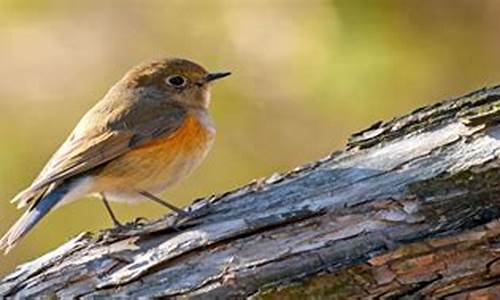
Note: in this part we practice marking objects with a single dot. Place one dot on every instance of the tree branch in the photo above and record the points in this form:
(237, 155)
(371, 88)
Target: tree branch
(424, 178)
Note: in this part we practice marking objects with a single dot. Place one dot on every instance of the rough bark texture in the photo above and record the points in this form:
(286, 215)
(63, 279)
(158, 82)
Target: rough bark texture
(407, 209)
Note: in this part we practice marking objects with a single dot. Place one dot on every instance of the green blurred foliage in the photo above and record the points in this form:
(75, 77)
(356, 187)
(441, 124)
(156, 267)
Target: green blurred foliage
(307, 73)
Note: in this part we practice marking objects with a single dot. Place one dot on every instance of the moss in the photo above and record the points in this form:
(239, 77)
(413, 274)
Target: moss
(323, 286)
(443, 200)
(468, 179)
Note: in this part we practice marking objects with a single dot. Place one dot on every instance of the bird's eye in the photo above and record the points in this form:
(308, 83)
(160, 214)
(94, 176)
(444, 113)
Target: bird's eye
(176, 81)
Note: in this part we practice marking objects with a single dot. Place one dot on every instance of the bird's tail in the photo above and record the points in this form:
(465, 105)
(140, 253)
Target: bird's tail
(33, 215)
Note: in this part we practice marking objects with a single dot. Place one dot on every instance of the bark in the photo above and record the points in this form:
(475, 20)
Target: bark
(408, 208)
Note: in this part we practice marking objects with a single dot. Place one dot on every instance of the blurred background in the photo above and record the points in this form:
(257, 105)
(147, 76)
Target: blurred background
(306, 74)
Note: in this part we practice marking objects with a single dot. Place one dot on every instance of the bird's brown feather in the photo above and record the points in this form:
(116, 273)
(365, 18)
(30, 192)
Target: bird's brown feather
(94, 143)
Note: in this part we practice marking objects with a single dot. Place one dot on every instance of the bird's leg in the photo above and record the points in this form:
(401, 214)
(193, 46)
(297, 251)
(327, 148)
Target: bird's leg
(111, 214)
(180, 212)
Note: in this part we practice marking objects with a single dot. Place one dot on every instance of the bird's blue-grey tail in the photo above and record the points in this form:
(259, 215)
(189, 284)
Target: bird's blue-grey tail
(33, 215)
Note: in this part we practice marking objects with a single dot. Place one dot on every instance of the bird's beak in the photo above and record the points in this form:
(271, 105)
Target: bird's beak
(216, 75)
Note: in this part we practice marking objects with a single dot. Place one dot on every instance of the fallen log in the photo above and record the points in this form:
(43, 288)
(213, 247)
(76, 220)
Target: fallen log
(407, 208)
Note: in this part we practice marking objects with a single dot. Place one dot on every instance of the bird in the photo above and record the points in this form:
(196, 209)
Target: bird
(149, 131)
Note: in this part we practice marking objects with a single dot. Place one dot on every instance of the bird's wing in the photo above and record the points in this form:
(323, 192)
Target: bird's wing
(96, 145)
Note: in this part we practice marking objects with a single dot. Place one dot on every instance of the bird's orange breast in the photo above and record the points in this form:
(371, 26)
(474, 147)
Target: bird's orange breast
(160, 163)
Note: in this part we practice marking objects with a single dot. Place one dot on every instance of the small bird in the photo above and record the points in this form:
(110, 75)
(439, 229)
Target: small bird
(149, 131)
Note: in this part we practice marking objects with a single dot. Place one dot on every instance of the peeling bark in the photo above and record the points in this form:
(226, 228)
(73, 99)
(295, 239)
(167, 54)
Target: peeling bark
(406, 209)
(462, 266)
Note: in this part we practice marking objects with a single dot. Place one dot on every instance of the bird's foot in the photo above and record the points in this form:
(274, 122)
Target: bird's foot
(119, 227)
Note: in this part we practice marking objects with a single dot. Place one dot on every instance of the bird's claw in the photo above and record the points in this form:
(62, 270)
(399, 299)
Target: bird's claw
(140, 221)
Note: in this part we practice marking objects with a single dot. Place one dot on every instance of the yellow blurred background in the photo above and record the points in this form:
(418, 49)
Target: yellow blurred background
(306, 74)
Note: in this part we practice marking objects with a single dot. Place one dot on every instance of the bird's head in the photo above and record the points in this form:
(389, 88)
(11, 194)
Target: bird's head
(174, 79)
